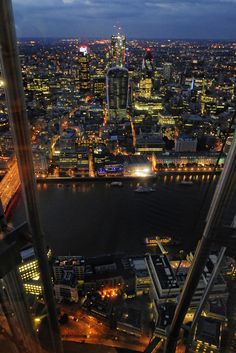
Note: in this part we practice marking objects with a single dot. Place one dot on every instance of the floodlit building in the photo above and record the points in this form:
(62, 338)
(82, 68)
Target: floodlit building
(137, 166)
(150, 105)
(149, 143)
(184, 159)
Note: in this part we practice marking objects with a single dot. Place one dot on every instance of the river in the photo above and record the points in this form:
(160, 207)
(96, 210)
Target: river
(92, 218)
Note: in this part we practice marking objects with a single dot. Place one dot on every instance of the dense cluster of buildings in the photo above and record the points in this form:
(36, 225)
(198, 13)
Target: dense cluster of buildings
(91, 104)
(127, 108)
(97, 282)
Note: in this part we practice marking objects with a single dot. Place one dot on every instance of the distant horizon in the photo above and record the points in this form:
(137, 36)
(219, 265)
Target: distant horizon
(129, 38)
(152, 19)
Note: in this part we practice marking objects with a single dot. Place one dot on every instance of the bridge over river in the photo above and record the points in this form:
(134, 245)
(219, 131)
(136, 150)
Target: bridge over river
(9, 185)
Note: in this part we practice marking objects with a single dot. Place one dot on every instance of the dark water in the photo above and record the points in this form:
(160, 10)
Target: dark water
(90, 218)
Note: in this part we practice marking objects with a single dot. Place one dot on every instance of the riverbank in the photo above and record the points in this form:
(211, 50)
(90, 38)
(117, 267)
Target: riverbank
(53, 179)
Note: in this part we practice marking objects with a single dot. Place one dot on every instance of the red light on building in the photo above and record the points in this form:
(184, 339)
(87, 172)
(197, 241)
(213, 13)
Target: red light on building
(83, 49)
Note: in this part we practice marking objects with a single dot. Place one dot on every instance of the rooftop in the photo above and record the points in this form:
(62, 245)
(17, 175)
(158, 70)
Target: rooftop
(164, 272)
(208, 331)
(69, 261)
(166, 313)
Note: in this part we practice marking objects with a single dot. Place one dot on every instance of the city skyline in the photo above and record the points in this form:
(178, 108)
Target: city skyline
(117, 179)
(185, 19)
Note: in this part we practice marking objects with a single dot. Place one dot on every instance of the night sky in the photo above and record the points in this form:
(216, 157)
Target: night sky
(192, 19)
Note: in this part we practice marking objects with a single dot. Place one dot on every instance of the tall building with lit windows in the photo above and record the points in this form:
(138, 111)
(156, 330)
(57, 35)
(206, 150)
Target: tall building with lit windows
(147, 64)
(29, 271)
(145, 87)
(146, 81)
(98, 86)
(118, 50)
(167, 71)
(117, 92)
(84, 69)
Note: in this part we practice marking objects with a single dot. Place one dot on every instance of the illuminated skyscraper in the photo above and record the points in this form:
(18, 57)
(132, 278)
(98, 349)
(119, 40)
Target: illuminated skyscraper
(98, 86)
(118, 50)
(84, 71)
(146, 82)
(167, 71)
(145, 87)
(147, 65)
(29, 271)
(117, 92)
(193, 84)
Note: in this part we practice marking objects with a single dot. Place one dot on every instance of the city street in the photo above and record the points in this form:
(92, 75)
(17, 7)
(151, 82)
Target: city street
(85, 328)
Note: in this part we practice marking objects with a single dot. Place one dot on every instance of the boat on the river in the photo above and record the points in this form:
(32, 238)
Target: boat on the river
(186, 182)
(117, 183)
(144, 189)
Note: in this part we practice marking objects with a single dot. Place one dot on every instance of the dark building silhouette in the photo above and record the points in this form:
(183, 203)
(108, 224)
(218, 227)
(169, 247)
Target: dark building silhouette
(117, 92)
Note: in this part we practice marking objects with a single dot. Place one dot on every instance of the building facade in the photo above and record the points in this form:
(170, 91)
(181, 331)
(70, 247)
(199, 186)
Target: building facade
(117, 82)
(84, 69)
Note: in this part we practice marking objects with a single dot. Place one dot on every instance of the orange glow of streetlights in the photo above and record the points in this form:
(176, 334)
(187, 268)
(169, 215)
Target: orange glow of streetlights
(109, 292)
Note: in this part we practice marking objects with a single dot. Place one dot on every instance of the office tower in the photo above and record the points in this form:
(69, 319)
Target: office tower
(146, 82)
(118, 50)
(127, 58)
(193, 84)
(29, 271)
(84, 70)
(167, 71)
(147, 65)
(117, 92)
(145, 87)
(98, 86)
